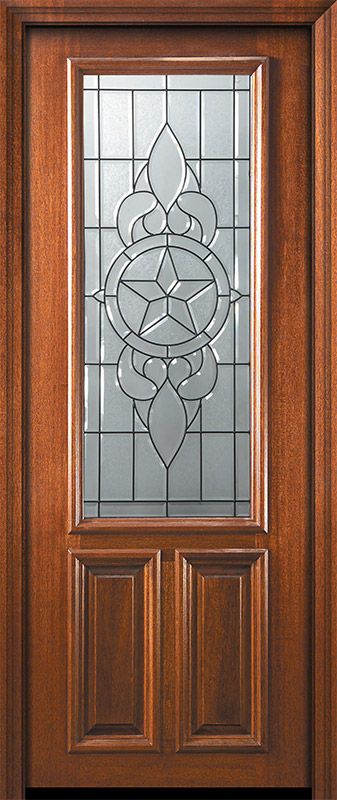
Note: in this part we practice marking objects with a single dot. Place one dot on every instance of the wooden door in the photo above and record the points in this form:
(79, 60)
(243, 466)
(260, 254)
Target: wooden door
(168, 649)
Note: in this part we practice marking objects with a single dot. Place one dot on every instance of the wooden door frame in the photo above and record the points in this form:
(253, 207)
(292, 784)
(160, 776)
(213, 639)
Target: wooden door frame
(321, 16)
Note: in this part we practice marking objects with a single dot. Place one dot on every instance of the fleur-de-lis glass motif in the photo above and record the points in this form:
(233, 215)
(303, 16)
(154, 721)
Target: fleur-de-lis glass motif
(167, 295)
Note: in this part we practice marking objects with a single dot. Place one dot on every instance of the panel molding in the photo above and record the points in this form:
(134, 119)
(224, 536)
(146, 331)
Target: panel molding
(248, 729)
(258, 68)
(139, 730)
(254, 12)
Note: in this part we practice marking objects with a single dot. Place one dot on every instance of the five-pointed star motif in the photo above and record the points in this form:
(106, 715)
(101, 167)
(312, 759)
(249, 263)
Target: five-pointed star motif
(168, 298)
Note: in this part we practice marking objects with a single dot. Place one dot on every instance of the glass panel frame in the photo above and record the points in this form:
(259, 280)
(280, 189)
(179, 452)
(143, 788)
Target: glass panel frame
(257, 518)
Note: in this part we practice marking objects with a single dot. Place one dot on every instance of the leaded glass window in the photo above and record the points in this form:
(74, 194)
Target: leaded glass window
(167, 278)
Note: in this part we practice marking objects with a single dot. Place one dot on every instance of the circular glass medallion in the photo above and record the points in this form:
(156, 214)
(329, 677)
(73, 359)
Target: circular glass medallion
(168, 294)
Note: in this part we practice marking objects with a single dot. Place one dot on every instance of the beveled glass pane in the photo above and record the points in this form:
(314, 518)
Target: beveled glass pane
(167, 308)
(217, 124)
(200, 81)
(149, 116)
(116, 183)
(242, 406)
(242, 261)
(91, 194)
(91, 397)
(150, 473)
(241, 124)
(242, 465)
(90, 509)
(116, 466)
(90, 82)
(116, 408)
(132, 81)
(242, 331)
(241, 81)
(133, 509)
(90, 126)
(91, 466)
(184, 118)
(241, 194)
(217, 183)
(91, 331)
(92, 260)
(184, 474)
(217, 466)
(116, 124)
(202, 509)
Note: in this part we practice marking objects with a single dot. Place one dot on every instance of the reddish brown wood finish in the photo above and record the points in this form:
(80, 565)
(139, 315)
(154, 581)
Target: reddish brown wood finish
(15, 20)
(325, 409)
(222, 697)
(114, 644)
(194, 12)
(288, 758)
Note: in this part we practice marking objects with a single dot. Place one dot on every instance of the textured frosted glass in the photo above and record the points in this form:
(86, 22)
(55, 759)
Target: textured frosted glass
(132, 81)
(218, 406)
(217, 125)
(167, 308)
(90, 82)
(241, 81)
(202, 509)
(91, 330)
(116, 413)
(149, 116)
(90, 126)
(241, 124)
(242, 330)
(116, 462)
(91, 194)
(200, 82)
(91, 255)
(218, 466)
(91, 397)
(217, 183)
(91, 460)
(116, 182)
(242, 466)
(242, 406)
(242, 260)
(241, 193)
(116, 124)
(150, 479)
(184, 118)
(184, 478)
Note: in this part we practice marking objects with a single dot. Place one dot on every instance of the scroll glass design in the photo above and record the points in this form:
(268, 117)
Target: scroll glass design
(166, 208)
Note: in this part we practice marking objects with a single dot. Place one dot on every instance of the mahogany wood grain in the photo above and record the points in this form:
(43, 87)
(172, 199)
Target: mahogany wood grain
(194, 12)
(114, 646)
(287, 761)
(222, 650)
(324, 561)
(16, 18)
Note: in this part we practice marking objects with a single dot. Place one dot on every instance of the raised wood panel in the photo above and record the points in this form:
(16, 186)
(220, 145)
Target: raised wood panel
(222, 649)
(114, 650)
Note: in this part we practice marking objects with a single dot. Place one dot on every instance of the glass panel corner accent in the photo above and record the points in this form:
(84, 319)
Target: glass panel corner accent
(167, 296)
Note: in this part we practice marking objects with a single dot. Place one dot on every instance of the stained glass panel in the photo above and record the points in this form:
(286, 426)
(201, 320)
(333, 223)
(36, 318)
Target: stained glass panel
(167, 279)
